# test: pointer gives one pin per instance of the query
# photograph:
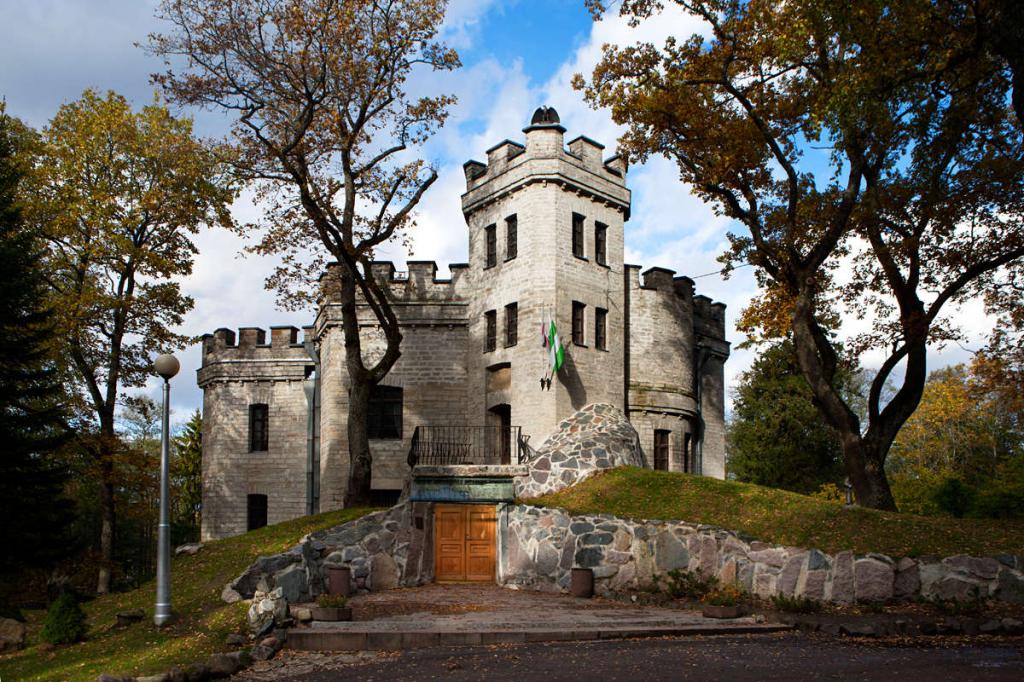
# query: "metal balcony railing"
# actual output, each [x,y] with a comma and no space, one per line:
[450,445]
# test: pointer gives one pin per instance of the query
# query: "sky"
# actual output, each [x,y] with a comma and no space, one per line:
[516,56]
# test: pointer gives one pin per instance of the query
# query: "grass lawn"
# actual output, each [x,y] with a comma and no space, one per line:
[782,517]
[203,623]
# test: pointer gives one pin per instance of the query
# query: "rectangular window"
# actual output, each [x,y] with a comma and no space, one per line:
[600,329]
[259,427]
[384,417]
[256,511]
[491,316]
[577,322]
[491,233]
[661,449]
[686,452]
[577,235]
[601,243]
[511,237]
[511,324]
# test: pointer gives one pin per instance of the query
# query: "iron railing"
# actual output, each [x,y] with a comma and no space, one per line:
[450,445]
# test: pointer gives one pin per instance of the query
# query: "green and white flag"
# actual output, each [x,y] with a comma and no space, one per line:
[556,351]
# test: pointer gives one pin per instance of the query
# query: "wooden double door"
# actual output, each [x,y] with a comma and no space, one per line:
[465,544]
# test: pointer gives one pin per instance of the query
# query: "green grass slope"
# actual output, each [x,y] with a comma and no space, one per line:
[781,517]
[203,623]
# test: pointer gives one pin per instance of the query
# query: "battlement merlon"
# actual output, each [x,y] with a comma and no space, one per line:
[511,166]
[708,315]
[419,283]
[252,358]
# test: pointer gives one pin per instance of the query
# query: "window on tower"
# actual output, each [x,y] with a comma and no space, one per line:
[511,237]
[384,415]
[600,329]
[259,427]
[601,243]
[491,239]
[577,322]
[661,449]
[577,235]
[491,318]
[511,324]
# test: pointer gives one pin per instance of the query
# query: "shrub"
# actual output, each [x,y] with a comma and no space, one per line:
[795,604]
[727,595]
[830,492]
[331,601]
[65,621]
[680,584]
[955,497]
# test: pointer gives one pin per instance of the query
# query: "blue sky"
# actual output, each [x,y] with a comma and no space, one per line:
[516,54]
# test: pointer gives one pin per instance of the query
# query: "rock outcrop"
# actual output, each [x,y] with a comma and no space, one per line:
[597,437]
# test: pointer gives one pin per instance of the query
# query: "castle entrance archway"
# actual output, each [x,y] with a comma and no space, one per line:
[465,542]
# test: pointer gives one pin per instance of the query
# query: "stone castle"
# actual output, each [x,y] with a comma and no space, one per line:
[546,225]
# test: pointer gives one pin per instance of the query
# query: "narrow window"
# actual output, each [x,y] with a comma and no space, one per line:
[661,449]
[256,511]
[600,329]
[384,417]
[491,232]
[686,452]
[600,243]
[511,237]
[577,235]
[492,329]
[259,417]
[577,322]
[511,324]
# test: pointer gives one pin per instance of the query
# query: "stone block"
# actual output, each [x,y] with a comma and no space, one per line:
[874,580]
[669,553]
[973,567]
[843,587]
[790,574]
[812,584]
[292,582]
[907,583]
[1011,586]
[384,573]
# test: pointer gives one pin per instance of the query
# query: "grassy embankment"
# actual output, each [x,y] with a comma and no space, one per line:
[203,623]
[785,518]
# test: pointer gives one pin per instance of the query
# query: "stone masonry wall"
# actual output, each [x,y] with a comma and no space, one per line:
[595,438]
[540,546]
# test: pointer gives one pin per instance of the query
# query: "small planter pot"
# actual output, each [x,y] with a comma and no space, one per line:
[339,580]
[710,611]
[332,613]
[582,584]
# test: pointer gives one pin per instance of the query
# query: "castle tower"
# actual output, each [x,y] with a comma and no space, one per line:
[545,242]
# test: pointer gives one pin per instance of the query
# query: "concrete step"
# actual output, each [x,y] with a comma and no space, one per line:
[370,638]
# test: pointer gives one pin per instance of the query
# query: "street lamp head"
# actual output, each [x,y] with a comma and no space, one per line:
[166,366]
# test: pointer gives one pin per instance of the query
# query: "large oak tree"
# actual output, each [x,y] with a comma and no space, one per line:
[324,126]
[870,151]
[117,195]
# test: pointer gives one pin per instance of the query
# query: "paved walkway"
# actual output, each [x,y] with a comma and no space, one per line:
[452,615]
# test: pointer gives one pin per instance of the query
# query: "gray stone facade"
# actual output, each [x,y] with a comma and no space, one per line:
[660,362]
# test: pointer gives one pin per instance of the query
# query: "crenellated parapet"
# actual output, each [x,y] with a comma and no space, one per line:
[581,168]
[248,355]
[418,284]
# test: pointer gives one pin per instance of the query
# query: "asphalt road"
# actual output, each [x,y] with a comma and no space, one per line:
[789,656]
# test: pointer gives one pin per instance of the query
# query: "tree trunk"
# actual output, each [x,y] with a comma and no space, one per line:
[107,525]
[358,493]
[865,465]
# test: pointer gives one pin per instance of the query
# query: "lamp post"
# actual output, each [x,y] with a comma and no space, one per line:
[166,366]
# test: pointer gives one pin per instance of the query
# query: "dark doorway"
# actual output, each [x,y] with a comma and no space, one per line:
[499,421]
[257,511]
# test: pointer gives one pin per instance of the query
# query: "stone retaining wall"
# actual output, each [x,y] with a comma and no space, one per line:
[539,546]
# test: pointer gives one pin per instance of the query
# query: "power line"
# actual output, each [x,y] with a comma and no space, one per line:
[719,272]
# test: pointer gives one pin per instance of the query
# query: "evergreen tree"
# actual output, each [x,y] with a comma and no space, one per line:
[34,515]
[187,477]
[777,437]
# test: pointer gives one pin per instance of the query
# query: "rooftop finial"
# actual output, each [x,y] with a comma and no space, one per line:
[545,116]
